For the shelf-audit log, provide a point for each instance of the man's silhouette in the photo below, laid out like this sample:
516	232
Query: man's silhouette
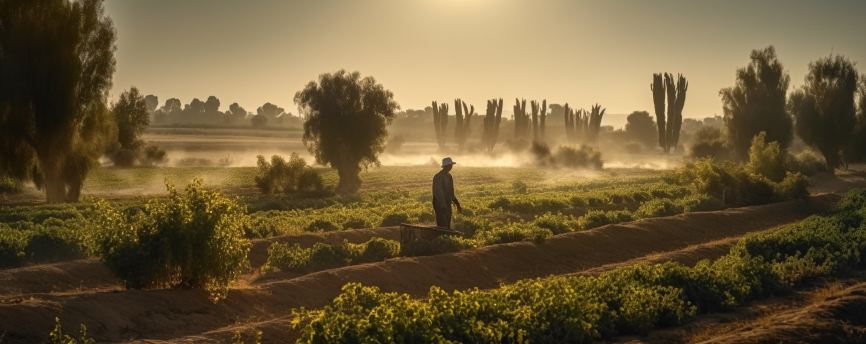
443	194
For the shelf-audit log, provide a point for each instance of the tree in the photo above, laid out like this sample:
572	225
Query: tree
669	129
168	113
642	128
856	151
56	64
259	121
346	123
824	107
212	106
756	103
152	102
235	113
131	115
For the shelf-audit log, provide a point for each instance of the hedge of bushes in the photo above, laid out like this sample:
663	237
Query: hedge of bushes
581	309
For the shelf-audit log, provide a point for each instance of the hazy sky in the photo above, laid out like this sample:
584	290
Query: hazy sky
580	52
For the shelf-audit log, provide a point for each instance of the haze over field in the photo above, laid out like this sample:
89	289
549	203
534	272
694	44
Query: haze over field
563	51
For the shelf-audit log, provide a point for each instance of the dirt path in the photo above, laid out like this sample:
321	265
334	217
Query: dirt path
172	315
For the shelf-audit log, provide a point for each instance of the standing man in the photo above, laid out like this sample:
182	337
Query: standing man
443	194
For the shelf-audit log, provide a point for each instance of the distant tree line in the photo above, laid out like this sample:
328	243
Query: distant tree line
208	112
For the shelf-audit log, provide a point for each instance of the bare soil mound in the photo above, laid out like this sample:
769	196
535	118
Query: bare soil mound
840	319
187	315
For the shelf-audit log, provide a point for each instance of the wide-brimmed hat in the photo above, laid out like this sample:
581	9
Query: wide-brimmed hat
448	161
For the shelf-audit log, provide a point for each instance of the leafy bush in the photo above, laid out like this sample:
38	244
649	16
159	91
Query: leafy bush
598	218
438	245
737	186
657	208
558	223
12	245
700	202
54	241
766	159
153	155
321	225
583	157
394	219
122	157
807	163
281	176
57	337
512	232
10	185
291	257
191	240
708	144
794	186
356	223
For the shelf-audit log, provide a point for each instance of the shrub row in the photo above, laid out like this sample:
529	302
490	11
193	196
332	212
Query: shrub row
52	240
585	308
291	257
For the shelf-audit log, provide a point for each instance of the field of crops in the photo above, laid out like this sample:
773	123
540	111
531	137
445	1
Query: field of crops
582	309
500	205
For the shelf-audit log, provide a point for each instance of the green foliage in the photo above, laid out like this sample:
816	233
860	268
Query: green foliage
824	107
34	239
238	338
583	157
512	232
394	219
10	185
766	159
283	256
12	246
280	176
131	115
152	156
346	126
598	218
806	163
583	309
733	183
191	240
642	128
321	225
56	67
57	337
708	143
756	103
557	224
794	186
657	208
438	245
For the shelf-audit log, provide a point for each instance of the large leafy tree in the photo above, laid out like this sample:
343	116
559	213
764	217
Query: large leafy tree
56	64
346	123
642	127
824	107
131	113
757	103
856	151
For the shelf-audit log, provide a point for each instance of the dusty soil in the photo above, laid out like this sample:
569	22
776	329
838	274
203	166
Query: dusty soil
84	292
821	311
